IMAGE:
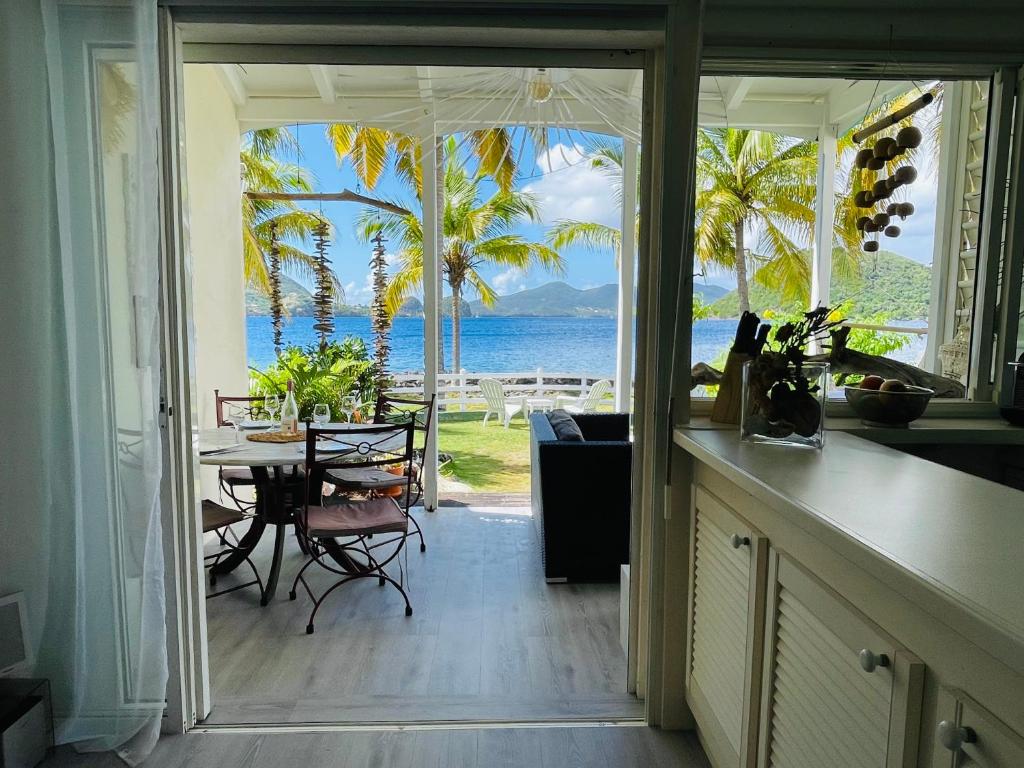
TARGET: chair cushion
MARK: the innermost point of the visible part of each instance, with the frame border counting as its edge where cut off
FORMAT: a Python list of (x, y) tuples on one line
[(216, 516), (237, 476), (564, 426), (355, 518), (364, 478)]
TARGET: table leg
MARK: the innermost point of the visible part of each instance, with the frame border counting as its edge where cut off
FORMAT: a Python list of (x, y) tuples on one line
[(244, 548), (275, 564), (342, 558)]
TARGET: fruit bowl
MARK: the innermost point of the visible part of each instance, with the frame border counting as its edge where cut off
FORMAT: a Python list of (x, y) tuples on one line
[(888, 408)]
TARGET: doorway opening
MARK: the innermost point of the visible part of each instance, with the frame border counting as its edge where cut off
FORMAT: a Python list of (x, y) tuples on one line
[(464, 185)]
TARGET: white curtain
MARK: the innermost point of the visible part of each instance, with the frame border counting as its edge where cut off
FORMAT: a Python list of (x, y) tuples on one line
[(106, 558)]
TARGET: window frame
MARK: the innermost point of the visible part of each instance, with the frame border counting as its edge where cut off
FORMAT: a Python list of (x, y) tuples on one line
[(1000, 254)]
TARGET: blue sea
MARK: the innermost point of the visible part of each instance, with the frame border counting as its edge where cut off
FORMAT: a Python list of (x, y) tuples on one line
[(504, 344)]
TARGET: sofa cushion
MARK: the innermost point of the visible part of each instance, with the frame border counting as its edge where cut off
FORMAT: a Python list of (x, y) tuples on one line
[(565, 426)]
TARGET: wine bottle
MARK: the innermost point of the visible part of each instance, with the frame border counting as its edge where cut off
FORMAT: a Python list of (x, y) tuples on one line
[(290, 411)]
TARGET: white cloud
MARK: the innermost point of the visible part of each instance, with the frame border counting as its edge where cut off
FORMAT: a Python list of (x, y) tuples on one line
[(509, 281), (571, 189)]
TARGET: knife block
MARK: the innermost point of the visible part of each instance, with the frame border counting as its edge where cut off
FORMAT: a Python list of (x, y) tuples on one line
[(729, 402)]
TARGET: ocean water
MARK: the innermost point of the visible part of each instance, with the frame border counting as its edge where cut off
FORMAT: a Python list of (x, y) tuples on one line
[(505, 344)]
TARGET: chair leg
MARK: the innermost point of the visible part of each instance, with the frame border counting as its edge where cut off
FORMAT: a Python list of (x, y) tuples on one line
[(419, 532)]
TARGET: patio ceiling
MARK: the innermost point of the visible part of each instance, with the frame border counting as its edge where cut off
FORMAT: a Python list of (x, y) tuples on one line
[(411, 99)]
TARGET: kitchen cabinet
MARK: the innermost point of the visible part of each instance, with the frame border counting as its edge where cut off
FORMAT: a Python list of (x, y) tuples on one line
[(967, 736), (836, 691), (729, 559)]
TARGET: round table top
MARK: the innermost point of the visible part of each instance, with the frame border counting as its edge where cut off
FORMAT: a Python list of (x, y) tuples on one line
[(225, 448)]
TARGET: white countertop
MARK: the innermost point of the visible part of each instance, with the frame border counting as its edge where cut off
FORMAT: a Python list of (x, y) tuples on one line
[(952, 542), (956, 431)]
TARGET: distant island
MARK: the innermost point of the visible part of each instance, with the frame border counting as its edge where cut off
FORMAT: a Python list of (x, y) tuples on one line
[(888, 284)]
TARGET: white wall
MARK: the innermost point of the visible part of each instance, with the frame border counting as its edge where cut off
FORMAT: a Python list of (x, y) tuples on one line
[(212, 144)]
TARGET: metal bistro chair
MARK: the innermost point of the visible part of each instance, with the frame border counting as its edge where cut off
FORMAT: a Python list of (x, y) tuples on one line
[(375, 480), (374, 529), (219, 519), (232, 478)]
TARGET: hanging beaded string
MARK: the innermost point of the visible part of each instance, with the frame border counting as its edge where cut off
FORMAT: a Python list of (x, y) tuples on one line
[(379, 313), (323, 300), (274, 278)]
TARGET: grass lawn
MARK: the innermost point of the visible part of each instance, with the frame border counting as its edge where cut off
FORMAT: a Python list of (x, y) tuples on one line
[(490, 458)]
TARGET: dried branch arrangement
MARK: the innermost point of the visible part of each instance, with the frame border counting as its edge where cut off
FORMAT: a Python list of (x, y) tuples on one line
[(779, 387)]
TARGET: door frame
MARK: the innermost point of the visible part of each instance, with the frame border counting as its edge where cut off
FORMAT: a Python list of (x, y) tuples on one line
[(669, 39)]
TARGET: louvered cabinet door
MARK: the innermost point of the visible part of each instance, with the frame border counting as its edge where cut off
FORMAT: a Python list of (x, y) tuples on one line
[(968, 736), (837, 692), (727, 597)]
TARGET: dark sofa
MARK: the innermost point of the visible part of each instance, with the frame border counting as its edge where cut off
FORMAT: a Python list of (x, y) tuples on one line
[(581, 495)]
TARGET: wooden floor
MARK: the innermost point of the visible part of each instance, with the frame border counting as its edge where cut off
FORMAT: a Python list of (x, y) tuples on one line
[(489, 640), (579, 747)]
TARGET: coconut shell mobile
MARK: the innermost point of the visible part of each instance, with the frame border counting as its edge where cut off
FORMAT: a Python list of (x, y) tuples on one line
[(874, 158)]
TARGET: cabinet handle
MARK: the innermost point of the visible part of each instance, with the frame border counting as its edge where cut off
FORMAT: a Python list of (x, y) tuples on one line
[(870, 661), (738, 541), (952, 737)]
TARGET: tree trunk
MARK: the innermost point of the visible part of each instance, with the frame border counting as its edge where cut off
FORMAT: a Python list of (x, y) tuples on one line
[(742, 289), (456, 328)]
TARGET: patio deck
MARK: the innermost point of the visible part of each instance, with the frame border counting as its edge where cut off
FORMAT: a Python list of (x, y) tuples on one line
[(489, 639)]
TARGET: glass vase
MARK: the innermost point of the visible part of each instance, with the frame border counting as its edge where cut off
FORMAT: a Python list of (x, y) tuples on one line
[(784, 406)]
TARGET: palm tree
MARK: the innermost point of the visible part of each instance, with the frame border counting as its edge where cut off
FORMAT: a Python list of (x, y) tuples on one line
[(475, 232), (261, 219), (755, 182), (371, 149), (593, 235)]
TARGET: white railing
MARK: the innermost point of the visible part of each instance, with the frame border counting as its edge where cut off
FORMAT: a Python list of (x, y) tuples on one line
[(457, 390)]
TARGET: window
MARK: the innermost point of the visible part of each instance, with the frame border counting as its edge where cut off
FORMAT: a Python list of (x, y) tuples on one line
[(905, 282)]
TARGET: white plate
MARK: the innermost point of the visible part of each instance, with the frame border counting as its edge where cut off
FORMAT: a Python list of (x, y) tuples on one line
[(266, 424)]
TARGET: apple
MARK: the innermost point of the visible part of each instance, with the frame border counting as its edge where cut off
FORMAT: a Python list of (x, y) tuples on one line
[(889, 393), (872, 382)]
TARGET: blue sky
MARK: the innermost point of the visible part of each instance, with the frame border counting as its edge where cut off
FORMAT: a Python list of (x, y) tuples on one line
[(570, 189), (566, 187)]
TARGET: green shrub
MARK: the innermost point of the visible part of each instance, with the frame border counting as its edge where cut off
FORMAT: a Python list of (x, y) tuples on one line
[(321, 376)]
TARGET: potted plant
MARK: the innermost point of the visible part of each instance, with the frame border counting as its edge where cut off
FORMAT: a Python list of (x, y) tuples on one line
[(783, 389)]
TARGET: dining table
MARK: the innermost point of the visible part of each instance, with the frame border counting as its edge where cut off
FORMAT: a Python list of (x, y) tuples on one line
[(280, 485)]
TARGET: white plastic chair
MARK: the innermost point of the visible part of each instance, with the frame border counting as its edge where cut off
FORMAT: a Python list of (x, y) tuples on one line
[(497, 404), (589, 402)]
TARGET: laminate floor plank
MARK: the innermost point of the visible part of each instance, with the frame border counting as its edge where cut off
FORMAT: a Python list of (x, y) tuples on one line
[(487, 635), (563, 747)]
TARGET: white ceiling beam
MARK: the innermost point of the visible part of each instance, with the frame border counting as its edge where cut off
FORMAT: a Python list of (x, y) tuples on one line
[(735, 92), (323, 78), (794, 119), (232, 82), (408, 115), (425, 82)]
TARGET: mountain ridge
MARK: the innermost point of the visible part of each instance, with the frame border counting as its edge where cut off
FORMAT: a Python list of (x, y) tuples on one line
[(552, 299), (888, 284)]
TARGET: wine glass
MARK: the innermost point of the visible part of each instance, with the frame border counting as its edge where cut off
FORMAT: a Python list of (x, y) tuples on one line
[(321, 414), (233, 418), (348, 407), (272, 405)]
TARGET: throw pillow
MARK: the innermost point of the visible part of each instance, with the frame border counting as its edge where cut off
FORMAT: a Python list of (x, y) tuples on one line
[(565, 426)]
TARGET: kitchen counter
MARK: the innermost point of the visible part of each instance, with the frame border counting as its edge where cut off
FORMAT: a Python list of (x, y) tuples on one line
[(953, 431), (950, 542)]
